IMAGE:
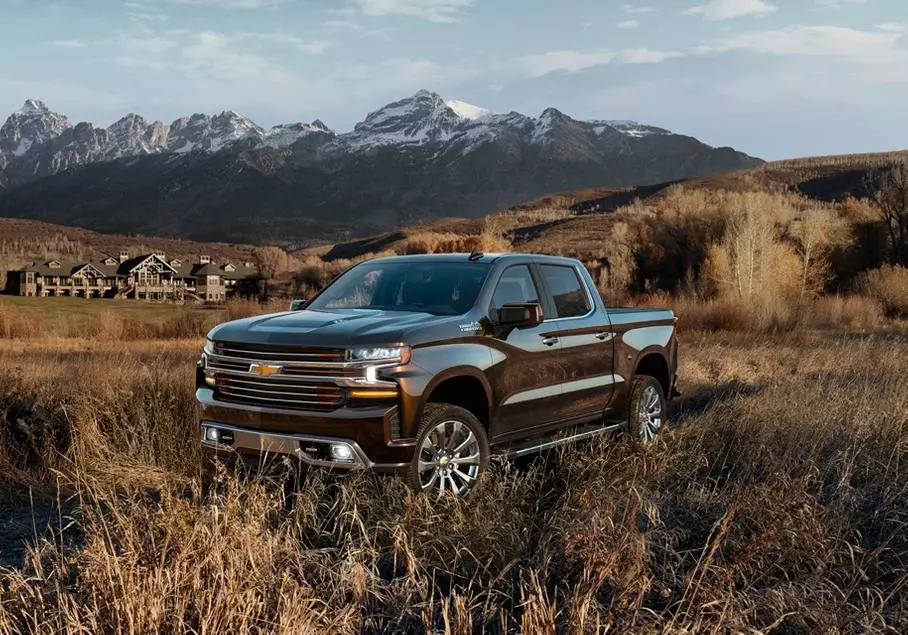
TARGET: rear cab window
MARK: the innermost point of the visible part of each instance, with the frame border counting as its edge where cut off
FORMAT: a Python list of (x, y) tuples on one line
[(566, 291)]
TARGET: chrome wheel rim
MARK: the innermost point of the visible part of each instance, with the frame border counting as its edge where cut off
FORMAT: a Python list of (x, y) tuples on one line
[(449, 459), (649, 414)]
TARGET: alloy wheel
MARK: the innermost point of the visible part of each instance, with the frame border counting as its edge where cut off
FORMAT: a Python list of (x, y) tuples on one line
[(449, 459), (649, 414)]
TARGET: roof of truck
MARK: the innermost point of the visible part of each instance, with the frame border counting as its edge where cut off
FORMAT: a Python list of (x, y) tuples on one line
[(487, 258)]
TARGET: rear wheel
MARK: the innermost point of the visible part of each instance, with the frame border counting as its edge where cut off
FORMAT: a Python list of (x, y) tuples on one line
[(646, 416), (452, 451)]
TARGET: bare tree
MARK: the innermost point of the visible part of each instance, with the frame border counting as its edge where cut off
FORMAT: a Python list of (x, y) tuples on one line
[(815, 229), (889, 193), (268, 262)]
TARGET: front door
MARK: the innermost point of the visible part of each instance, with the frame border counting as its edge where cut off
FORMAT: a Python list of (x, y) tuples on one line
[(587, 342), (527, 366)]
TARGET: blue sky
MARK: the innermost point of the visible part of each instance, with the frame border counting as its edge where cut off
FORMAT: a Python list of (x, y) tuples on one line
[(774, 78)]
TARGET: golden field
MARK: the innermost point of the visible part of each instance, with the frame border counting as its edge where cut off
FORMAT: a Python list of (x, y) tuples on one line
[(777, 503)]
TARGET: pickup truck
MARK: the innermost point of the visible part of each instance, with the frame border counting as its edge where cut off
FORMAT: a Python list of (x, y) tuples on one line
[(427, 365)]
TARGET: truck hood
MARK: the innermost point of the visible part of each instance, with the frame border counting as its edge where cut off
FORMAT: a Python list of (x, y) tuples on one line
[(354, 327)]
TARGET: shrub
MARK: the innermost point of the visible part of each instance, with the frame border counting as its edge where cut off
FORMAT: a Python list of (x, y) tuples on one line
[(888, 285)]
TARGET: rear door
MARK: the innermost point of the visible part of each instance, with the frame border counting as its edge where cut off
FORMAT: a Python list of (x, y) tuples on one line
[(527, 369), (587, 341)]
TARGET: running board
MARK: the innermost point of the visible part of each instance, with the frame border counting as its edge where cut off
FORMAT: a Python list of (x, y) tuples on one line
[(537, 445)]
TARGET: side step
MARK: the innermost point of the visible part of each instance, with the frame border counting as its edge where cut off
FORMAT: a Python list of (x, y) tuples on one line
[(545, 443)]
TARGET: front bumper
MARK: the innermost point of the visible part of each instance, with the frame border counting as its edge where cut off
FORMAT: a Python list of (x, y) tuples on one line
[(345, 454), (365, 432)]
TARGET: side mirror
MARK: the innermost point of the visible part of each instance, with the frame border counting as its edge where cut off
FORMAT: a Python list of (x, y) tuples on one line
[(298, 305), (520, 315)]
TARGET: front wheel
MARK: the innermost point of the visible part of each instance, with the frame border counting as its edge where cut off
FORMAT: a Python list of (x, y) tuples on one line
[(646, 410), (452, 451)]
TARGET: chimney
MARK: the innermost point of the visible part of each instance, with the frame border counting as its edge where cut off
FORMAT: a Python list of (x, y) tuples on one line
[(124, 256), (160, 254), (204, 260)]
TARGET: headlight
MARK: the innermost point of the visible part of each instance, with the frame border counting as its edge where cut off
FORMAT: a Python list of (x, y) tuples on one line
[(208, 349), (389, 354)]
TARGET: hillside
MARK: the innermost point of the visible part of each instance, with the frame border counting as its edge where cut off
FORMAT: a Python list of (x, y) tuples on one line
[(23, 241), (579, 222), (225, 178)]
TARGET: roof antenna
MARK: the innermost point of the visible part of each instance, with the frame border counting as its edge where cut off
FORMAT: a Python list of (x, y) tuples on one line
[(476, 254)]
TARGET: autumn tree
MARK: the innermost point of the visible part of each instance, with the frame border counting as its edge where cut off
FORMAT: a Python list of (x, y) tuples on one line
[(269, 261), (812, 232), (889, 193)]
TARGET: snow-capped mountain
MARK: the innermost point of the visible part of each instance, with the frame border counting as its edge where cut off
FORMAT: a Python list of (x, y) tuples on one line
[(31, 125), (37, 142), (418, 158)]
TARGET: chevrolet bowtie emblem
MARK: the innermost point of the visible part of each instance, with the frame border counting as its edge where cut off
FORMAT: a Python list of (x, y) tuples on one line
[(265, 370)]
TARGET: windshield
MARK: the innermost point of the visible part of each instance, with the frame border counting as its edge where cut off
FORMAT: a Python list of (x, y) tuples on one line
[(439, 288)]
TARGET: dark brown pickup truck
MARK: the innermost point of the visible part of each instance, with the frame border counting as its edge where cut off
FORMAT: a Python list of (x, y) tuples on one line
[(426, 365)]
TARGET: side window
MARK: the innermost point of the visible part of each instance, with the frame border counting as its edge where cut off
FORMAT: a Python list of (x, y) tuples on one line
[(515, 285), (566, 290)]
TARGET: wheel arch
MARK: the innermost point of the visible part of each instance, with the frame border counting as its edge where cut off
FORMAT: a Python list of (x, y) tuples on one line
[(466, 387), (653, 363)]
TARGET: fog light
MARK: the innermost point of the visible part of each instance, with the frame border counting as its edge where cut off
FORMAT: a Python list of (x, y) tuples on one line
[(341, 452), (209, 380), (213, 434)]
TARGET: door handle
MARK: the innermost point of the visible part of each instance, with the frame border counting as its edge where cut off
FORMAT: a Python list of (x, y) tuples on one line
[(603, 335), (549, 341)]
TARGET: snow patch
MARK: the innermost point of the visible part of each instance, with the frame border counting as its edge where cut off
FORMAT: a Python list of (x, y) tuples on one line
[(33, 107), (467, 111), (24, 145)]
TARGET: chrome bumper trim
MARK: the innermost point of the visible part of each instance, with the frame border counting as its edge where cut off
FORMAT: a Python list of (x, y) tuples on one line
[(276, 443)]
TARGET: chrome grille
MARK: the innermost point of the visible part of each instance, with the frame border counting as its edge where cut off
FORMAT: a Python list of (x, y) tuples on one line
[(308, 378), (279, 352), (278, 392)]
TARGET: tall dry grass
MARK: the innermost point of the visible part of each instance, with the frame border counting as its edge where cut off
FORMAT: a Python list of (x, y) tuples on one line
[(777, 503)]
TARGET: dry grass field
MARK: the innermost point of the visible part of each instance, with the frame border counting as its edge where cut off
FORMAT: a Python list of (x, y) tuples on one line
[(777, 503)]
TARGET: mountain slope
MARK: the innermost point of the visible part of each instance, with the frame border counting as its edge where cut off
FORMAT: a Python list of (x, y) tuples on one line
[(226, 178)]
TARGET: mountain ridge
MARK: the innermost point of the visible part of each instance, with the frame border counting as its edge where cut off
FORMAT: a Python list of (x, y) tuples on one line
[(224, 177)]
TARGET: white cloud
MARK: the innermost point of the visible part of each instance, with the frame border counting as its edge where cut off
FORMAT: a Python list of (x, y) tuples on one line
[(629, 24), (539, 65), (68, 44), (892, 27), (730, 9), (838, 4), (234, 4), (432, 10), (646, 56), (869, 47), (586, 25), (314, 47), (630, 8), (138, 16), (341, 24)]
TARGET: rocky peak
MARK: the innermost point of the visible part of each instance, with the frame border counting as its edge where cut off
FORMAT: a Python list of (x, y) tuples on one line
[(34, 107), (424, 117), (31, 125), (132, 135)]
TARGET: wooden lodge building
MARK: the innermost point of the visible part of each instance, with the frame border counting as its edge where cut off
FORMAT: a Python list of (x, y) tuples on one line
[(149, 277)]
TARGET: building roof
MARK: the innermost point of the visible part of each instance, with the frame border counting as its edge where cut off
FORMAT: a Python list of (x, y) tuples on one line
[(183, 270)]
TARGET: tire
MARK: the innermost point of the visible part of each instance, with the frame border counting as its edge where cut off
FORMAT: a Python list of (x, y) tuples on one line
[(646, 410), (448, 435)]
